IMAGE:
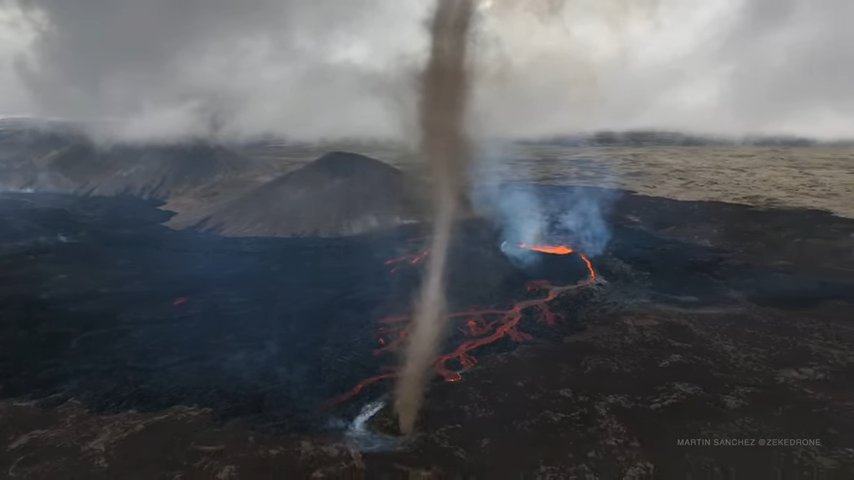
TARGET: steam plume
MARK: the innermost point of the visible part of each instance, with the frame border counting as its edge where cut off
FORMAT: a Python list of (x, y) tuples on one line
[(444, 100)]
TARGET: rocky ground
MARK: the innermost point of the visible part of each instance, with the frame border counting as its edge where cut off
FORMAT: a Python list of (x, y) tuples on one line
[(715, 321)]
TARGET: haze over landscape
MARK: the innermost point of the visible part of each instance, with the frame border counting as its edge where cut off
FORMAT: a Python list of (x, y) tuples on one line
[(426, 239), (309, 69)]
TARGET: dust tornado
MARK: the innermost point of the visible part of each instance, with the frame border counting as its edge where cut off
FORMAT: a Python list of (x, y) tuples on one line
[(444, 145)]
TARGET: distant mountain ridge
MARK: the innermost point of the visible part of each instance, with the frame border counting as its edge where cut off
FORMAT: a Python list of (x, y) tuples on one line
[(644, 138), (145, 171), (58, 157)]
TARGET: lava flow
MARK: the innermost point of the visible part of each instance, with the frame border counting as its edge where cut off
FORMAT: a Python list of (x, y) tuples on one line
[(550, 249), (482, 326), (411, 259)]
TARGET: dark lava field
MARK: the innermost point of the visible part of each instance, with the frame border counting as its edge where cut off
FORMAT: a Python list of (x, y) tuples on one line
[(131, 350)]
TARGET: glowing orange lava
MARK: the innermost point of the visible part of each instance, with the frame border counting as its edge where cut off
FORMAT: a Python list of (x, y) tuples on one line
[(483, 326), (549, 249), (411, 259)]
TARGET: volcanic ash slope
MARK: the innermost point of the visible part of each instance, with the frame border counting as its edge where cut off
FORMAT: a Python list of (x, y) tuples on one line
[(23, 142), (158, 171), (59, 157), (339, 194)]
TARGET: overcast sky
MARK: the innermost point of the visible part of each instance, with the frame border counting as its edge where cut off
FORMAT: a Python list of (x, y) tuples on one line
[(331, 68)]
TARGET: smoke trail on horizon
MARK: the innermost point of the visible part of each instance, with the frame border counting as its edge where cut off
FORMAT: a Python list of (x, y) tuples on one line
[(444, 100)]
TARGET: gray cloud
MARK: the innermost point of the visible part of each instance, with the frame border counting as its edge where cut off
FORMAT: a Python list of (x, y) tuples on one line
[(791, 65), (308, 68), (328, 68)]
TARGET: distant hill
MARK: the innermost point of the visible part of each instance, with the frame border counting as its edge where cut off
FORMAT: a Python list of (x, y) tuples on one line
[(338, 194), (644, 138), (59, 157), (149, 171), (23, 142)]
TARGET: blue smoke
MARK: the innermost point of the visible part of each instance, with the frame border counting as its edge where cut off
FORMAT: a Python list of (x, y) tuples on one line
[(535, 213)]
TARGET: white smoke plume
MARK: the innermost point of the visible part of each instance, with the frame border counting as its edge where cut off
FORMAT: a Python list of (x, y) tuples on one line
[(507, 192)]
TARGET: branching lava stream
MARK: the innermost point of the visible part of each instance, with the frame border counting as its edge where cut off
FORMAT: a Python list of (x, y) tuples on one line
[(483, 326)]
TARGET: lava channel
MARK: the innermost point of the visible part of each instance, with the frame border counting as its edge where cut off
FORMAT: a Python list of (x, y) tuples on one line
[(482, 326), (410, 259)]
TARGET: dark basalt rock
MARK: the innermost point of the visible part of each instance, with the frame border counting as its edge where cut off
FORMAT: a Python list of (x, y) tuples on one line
[(194, 353), (338, 194)]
